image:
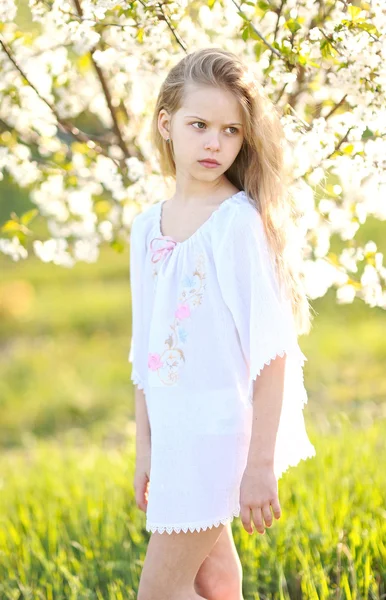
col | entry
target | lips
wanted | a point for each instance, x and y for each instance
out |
(209, 160)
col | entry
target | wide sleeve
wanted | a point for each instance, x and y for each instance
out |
(137, 265)
(261, 311)
(265, 324)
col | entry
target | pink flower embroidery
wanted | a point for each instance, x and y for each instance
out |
(170, 361)
(183, 311)
(154, 362)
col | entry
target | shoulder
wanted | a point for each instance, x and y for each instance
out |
(238, 216)
(145, 218)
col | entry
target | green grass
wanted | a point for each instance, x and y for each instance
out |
(69, 526)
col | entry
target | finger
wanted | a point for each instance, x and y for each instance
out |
(245, 516)
(267, 515)
(140, 501)
(141, 486)
(276, 507)
(258, 519)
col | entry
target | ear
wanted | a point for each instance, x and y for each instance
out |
(164, 123)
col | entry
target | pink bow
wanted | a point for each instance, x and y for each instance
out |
(158, 253)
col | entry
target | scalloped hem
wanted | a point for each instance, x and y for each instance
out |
(310, 453)
(256, 370)
(137, 381)
(139, 385)
(293, 352)
(192, 527)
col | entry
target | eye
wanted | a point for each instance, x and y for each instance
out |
(198, 122)
(202, 123)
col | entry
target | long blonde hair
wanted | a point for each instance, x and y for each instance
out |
(259, 168)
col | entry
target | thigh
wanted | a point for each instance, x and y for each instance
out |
(220, 575)
(172, 561)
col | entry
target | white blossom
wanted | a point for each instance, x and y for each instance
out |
(13, 248)
(335, 132)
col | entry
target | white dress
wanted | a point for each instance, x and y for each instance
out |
(206, 318)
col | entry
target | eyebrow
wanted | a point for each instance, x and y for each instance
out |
(202, 119)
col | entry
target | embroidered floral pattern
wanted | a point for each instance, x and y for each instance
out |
(168, 364)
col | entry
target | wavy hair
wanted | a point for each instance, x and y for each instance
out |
(259, 168)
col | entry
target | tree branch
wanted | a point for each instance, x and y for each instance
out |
(63, 125)
(107, 95)
(334, 108)
(172, 29)
(278, 13)
(257, 32)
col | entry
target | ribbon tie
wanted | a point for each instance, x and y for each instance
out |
(158, 253)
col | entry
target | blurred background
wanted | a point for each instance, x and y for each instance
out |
(69, 525)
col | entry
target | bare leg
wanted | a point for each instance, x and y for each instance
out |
(220, 575)
(171, 564)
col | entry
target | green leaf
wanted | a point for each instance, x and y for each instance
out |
(326, 49)
(348, 149)
(28, 216)
(353, 11)
(367, 134)
(306, 60)
(369, 27)
(245, 33)
(258, 49)
(292, 25)
(243, 16)
(10, 227)
(253, 34)
(140, 34)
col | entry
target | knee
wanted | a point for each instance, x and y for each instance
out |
(228, 589)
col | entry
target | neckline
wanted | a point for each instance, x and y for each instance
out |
(199, 229)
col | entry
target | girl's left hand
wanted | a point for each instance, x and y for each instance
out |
(258, 491)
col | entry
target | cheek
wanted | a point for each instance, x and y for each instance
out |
(234, 146)
(187, 139)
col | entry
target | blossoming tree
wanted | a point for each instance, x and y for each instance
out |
(323, 62)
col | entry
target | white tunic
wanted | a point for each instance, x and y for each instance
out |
(206, 318)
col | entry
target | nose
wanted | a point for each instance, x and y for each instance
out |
(213, 143)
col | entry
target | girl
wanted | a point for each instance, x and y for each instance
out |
(217, 308)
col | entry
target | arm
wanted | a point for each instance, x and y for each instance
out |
(143, 432)
(265, 323)
(143, 450)
(267, 404)
(259, 489)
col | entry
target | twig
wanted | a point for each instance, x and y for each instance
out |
(64, 126)
(334, 108)
(172, 29)
(107, 95)
(257, 32)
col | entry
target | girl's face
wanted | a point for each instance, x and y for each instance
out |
(209, 124)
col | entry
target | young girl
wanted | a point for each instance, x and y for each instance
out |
(217, 307)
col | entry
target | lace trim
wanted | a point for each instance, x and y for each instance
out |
(202, 526)
(135, 378)
(294, 351)
(309, 453)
